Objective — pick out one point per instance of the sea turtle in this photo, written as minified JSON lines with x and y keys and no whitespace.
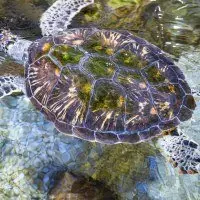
{"x":102,"y":85}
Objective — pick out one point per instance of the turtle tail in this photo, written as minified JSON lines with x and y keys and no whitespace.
{"x":183,"y":152}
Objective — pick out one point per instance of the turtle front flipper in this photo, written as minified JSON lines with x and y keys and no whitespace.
{"x":11,"y":85}
{"x":183,"y":152}
{"x":57,"y":18}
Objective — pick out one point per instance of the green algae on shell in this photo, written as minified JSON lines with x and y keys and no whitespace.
{"x":100,"y":67}
{"x":67,"y":54}
{"x":66,"y":71}
{"x":84,"y":87}
{"x":129,"y":59}
{"x":45,"y":48}
{"x":167,"y":88}
{"x":154,"y":75}
{"x":128,"y":77}
{"x":107,"y":97}
{"x":97,"y":45}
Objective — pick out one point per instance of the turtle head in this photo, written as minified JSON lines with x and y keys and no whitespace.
{"x":6,"y":39}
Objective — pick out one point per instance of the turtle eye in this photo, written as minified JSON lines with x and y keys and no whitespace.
{"x":147,"y":49}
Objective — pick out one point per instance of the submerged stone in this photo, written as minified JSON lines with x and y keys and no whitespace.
{"x":122,"y":163}
{"x":72,"y":187}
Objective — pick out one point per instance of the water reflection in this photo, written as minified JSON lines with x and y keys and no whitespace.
{"x":171,"y":25}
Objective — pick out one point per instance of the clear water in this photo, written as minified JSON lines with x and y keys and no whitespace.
{"x":32,"y":151}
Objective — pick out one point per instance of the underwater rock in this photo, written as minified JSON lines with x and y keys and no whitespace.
{"x":71,"y":187}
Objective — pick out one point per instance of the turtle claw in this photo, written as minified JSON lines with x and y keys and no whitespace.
{"x":182,"y":171}
{"x":170,"y":160}
{"x":175,"y":164}
{"x":190,"y":171}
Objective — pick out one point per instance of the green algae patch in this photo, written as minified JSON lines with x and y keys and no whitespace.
{"x":119,"y":3}
{"x":122,"y":164}
{"x":107,"y":97}
{"x":92,"y":13}
{"x":66,"y":72}
{"x":100,"y":67}
{"x":84,"y":87}
{"x":45,"y":48}
{"x":154,"y":75}
{"x":96,"y":44}
{"x":129,"y":59}
{"x":167,"y":88}
{"x":127,"y":78}
{"x":67,"y":55}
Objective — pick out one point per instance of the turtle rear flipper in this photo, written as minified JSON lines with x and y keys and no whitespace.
{"x":57,"y":18}
{"x":183,"y":152}
{"x":11,"y":85}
